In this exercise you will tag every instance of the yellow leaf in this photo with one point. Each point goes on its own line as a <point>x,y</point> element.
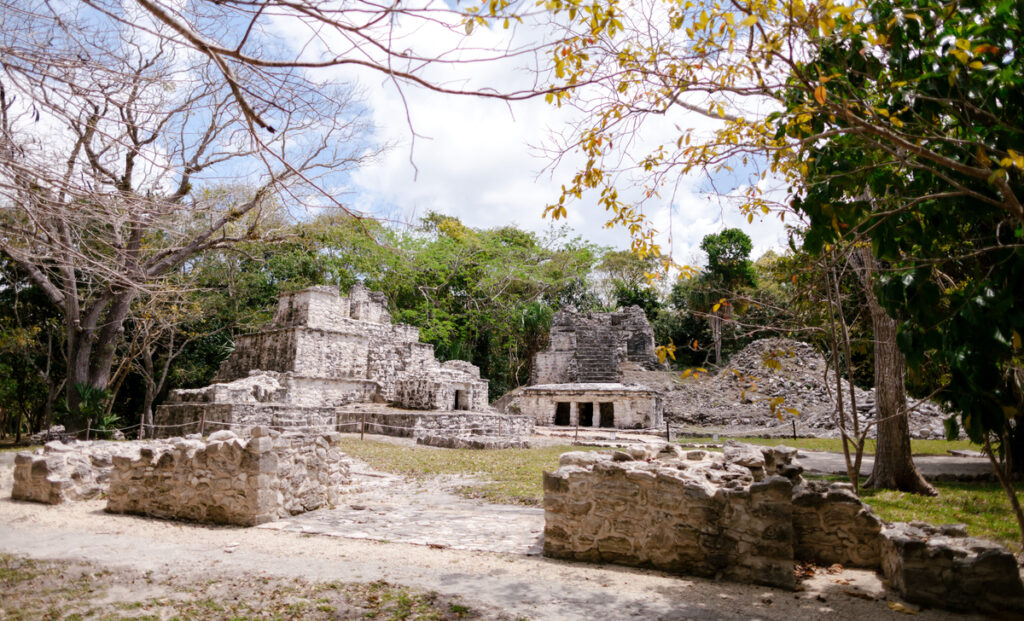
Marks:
<point>749,21</point>
<point>1016,340</point>
<point>714,309</point>
<point>687,373</point>
<point>819,94</point>
<point>898,607</point>
<point>729,19</point>
<point>976,65</point>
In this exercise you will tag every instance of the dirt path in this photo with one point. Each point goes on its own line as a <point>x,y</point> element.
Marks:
<point>521,586</point>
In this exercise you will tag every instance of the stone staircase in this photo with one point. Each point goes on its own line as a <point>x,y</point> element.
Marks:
<point>596,358</point>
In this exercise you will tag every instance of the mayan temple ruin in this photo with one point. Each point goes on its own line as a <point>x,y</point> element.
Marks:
<point>322,352</point>
<point>578,379</point>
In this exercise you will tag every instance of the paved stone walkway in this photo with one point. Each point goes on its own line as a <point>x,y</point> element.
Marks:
<point>385,507</point>
<point>933,467</point>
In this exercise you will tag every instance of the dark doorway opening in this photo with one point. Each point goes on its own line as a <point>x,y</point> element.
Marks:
<point>561,413</point>
<point>607,414</point>
<point>586,414</point>
<point>461,400</point>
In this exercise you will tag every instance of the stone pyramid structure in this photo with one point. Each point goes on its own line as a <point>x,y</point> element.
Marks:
<point>321,351</point>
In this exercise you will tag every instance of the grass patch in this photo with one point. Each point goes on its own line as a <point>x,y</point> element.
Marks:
<point>835,445</point>
<point>507,476</point>
<point>64,590</point>
<point>983,507</point>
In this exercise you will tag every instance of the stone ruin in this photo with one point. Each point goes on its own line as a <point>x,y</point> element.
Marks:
<point>224,479</point>
<point>60,473</point>
<point>737,399</point>
<point>577,380</point>
<point>618,406</point>
<point>748,515</point>
<point>321,354</point>
<point>589,348</point>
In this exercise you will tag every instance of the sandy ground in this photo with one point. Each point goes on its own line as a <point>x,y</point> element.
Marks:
<point>521,586</point>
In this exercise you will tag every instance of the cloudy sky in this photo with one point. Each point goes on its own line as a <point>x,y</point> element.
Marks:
<point>478,160</point>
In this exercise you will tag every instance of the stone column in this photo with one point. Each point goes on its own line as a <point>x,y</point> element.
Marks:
<point>574,414</point>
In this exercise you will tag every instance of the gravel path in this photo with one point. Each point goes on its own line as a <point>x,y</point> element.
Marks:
<point>516,584</point>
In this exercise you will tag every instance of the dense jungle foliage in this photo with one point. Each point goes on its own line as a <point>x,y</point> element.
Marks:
<point>486,296</point>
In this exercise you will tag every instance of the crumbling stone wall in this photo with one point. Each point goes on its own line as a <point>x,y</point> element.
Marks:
<point>747,515</point>
<point>61,473</point>
<point>941,566</point>
<point>230,480</point>
<point>386,421</point>
<point>589,347</point>
<point>693,513</point>
<point>832,525</point>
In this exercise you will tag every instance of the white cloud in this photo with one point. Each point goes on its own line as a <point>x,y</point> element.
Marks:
<point>472,157</point>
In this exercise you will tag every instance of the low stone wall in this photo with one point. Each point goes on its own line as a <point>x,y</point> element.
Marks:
<point>180,419</point>
<point>448,424</point>
<point>230,480</point>
<point>692,513</point>
<point>832,525</point>
<point>748,515</point>
<point>67,472</point>
<point>942,567</point>
<point>472,442</point>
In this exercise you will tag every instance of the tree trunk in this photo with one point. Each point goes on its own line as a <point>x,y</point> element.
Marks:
<point>894,468</point>
<point>716,332</point>
<point>92,342</point>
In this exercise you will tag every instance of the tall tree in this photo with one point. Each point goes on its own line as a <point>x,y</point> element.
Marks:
<point>935,185</point>
<point>780,84</point>
<point>729,268</point>
<point>105,136</point>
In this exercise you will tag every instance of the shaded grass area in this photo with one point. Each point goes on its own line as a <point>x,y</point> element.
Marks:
<point>835,445</point>
<point>63,590</point>
<point>513,476</point>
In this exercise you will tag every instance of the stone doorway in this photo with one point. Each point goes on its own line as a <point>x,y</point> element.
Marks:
<point>586,414</point>
<point>461,400</point>
<point>562,413</point>
<point>607,414</point>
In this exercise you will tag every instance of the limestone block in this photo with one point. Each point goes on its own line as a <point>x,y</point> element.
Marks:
<point>931,568</point>
<point>231,480</point>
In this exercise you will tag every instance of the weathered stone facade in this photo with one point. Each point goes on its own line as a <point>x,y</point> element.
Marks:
<point>832,525</point>
<point>941,566</point>
<point>690,512</point>
<point>444,429</point>
<point>576,380</point>
<point>748,515</point>
<point>228,479</point>
<point>60,473</point>
<point>589,347</point>
<point>619,406</point>
<point>322,351</point>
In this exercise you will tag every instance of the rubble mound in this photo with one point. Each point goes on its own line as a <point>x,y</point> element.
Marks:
<point>762,385</point>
